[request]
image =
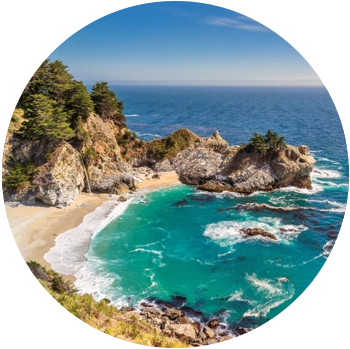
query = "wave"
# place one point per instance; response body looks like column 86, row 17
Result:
column 338, row 207
column 228, row 233
column 315, row 189
column 328, row 160
column 149, row 135
column 131, row 115
column 68, row 255
column 273, row 293
column 158, row 253
column 259, row 207
column 321, row 173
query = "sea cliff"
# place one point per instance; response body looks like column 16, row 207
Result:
column 111, row 157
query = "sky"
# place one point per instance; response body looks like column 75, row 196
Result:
column 182, row 43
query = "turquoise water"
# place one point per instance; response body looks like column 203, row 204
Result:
column 183, row 245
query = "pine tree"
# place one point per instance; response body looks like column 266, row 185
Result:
column 106, row 103
column 45, row 121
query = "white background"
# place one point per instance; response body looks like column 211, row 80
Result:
column 29, row 28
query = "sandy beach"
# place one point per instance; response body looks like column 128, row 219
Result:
column 36, row 226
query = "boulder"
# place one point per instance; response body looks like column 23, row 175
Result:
column 184, row 320
column 250, row 232
column 122, row 199
column 39, row 272
column 60, row 180
column 173, row 314
column 183, row 332
column 208, row 332
column 225, row 338
column 214, row 323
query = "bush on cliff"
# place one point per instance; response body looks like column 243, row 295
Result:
column 262, row 144
column 169, row 147
column 19, row 176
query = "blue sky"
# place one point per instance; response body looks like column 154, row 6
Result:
column 182, row 43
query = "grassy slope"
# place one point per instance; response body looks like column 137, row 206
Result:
column 102, row 316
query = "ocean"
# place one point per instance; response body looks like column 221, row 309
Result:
column 183, row 245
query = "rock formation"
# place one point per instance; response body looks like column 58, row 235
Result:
column 214, row 166
column 250, row 232
column 112, row 158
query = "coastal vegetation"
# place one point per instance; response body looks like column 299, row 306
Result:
column 72, row 137
column 169, row 147
column 101, row 315
column 55, row 105
column 271, row 142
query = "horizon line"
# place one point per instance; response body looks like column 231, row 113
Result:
column 215, row 83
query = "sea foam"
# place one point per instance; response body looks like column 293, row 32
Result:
column 69, row 253
column 228, row 233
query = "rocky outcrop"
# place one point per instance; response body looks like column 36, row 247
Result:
column 250, row 232
column 214, row 166
column 108, row 171
column 57, row 182
column 61, row 179
column 173, row 322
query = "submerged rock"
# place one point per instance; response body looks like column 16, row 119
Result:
column 214, row 323
column 250, row 232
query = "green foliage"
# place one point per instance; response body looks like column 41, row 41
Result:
column 102, row 315
column 106, row 103
column 49, row 155
column 127, row 137
column 271, row 142
column 89, row 154
column 78, row 101
column 19, row 176
column 52, row 79
column 45, row 120
column 169, row 147
column 53, row 99
column 80, row 133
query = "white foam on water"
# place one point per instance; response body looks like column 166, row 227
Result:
column 321, row 173
column 148, row 134
column 226, row 253
column 263, row 285
column 328, row 160
column 131, row 115
column 69, row 253
column 238, row 296
column 228, row 233
column 316, row 187
column 274, row 294
column 158, row 253
column 338, row 207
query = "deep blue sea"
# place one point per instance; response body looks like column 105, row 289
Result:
column 183, row 245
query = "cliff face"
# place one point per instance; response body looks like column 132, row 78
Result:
column 111, row 155
column 56, row 181
column 59, row 175
column 108, row 171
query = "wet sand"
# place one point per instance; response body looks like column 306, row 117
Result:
column 36, row 226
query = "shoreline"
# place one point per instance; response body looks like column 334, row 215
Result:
column 35, row 227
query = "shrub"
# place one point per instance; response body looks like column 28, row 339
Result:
column 271, row 142
column 20, row 176
column 106, row 103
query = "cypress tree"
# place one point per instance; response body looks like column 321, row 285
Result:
column 106, row 103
